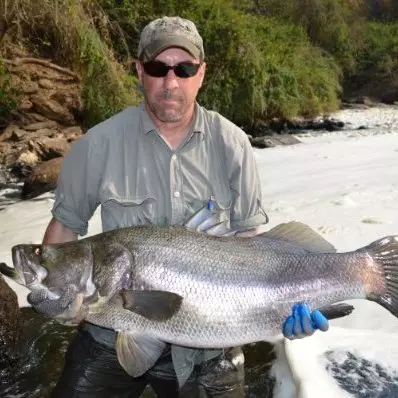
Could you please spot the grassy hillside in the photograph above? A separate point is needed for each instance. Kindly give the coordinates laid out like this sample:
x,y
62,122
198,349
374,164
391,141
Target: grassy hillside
x,y
72,33
264,60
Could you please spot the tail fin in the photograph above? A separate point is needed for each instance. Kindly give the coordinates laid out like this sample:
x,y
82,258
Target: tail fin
x,y
384,253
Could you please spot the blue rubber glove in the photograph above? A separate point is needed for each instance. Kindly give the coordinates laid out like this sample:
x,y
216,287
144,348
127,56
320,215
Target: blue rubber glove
x,y
303,322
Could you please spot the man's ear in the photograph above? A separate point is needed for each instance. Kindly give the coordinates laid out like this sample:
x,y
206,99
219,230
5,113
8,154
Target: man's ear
x,y
202,73
140,71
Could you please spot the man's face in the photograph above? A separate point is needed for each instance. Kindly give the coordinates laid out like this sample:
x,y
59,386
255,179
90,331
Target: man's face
x,y
170,98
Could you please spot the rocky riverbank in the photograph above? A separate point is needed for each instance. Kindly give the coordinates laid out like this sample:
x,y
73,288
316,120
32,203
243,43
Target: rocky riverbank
x,y
42,128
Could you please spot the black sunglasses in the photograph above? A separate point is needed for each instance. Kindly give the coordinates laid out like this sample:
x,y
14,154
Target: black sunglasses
x,y
160,69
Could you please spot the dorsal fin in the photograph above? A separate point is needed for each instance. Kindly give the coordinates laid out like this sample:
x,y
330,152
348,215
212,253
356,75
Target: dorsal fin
x,y
300,234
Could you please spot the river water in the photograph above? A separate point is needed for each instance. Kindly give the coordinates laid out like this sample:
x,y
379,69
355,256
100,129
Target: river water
x,y
9,193
44,343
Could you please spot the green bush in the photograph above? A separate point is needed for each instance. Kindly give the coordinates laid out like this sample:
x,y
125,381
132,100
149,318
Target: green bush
x,y
107,87
8,94
379,58
75,33
266,58
334,25
260,68
128,18
257,66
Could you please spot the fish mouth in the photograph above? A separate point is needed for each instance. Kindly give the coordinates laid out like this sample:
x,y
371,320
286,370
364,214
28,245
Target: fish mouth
x,y
27,271
16,259
9,271
15,273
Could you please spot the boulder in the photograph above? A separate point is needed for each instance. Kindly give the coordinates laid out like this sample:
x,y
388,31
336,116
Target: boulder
x,y
29,87
17,135
3,177
8,132
72,133
9,325
37,117
42,179
49,148
271,141
49,124
328,124
52,109
28,158
43,133
21,171
285,127
6,153
353,105
47,84
285,139
25,104
262,142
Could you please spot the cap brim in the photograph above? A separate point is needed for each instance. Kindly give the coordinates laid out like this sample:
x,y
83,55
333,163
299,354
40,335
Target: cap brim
x,y
159,45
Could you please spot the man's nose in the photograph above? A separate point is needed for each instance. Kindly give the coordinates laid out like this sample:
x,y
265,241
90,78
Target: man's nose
x,y
170,80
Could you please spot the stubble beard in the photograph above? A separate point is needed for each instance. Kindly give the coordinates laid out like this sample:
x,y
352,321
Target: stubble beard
x,y
165,113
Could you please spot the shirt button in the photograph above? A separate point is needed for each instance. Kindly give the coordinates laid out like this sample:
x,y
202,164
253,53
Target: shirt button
x,y
174,157
176,194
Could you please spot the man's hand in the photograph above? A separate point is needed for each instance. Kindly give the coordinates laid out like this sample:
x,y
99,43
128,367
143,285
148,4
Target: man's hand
x,y
303,322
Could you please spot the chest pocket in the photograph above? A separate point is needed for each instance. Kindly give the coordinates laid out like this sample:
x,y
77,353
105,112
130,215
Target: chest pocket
x,y
118,212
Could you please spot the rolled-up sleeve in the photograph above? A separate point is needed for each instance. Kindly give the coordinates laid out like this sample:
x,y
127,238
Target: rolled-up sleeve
x,y
76,195
247,209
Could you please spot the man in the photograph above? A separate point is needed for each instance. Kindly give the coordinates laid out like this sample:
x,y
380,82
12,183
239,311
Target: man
x,y
158,164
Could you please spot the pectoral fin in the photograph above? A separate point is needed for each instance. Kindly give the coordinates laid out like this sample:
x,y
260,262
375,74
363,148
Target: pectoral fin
x,y
137,353
155,305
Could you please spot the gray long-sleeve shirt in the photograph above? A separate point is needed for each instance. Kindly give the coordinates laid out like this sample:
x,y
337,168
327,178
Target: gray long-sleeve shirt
x,y
125,166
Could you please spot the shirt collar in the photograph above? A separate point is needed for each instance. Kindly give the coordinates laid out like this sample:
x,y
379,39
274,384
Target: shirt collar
x,y
147,123
198,125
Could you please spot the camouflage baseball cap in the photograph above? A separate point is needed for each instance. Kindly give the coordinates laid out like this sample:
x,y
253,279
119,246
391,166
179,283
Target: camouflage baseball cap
x,y
167,32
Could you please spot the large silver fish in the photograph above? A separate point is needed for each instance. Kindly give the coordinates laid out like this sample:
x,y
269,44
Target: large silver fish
x,y
174,285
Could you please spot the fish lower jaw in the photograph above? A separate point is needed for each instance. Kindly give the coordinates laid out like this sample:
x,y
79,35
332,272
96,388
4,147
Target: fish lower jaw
x,y
38,286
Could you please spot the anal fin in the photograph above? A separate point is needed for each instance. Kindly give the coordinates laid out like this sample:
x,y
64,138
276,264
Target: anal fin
x,y
137,353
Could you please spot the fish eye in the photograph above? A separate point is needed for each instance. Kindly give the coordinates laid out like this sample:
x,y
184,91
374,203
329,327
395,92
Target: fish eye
x,y
37,251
